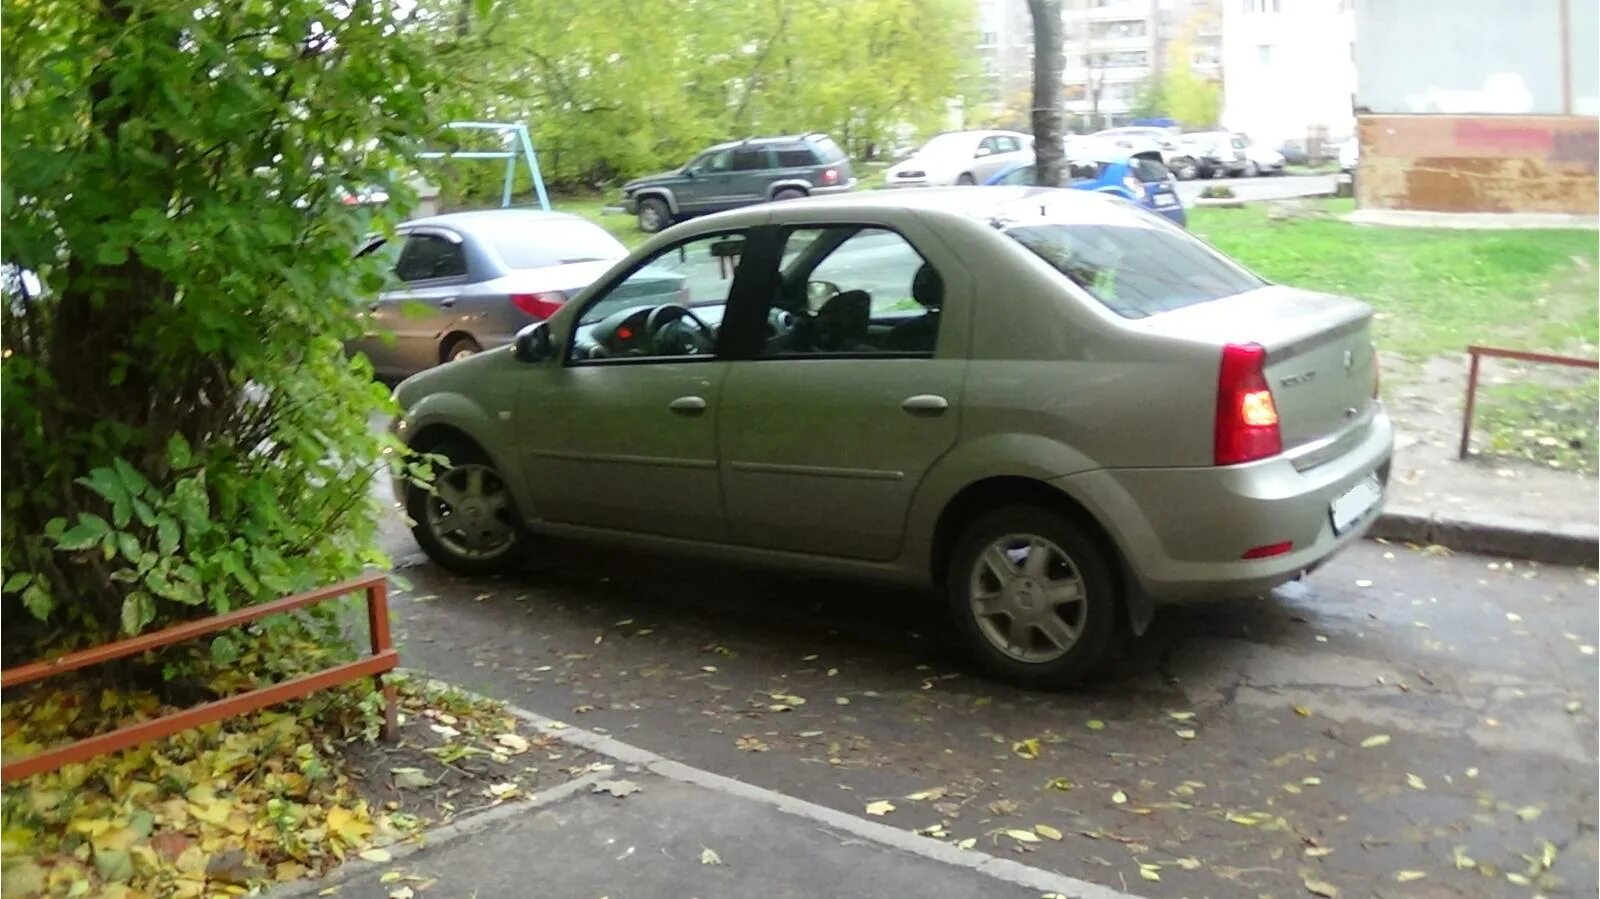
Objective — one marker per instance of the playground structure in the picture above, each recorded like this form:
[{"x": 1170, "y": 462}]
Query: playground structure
[{"x": 514, "y": 135}]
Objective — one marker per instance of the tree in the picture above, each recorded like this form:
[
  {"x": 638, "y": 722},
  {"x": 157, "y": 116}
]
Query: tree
[
  {"x": 182, "y": 432},
  {"x": 1177, "y": 92},
  {"x": 1048, "y": 147}
]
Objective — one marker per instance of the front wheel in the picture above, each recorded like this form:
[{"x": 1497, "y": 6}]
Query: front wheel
[
  {"x": 966, "y": 179},
  {"x": 467, "y": 523},
  {"x": 1186, "y": 169},
  {"x": 1251, "y": 170},
  {"x": 1032, "y": 596},
  {"x": 653, "y": 215}
]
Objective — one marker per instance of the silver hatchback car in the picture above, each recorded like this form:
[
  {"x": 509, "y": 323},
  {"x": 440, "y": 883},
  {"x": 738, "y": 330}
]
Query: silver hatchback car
[{"x": 1053, "y": 407}]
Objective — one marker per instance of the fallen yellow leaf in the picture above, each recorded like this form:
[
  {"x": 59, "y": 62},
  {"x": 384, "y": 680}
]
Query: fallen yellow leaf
[
  {"x": 1321, "y": 888},
  {"x": 1375, "y": 741},
  {"x": 1023, "y": 836},
  {"x": 1119, "y": 797},
  {"x": 1045, "y": 830},
  {"x": 378, "y": 856},
  {"x": 1408, "y": 876},
  {"x": 880, "y": 807}
]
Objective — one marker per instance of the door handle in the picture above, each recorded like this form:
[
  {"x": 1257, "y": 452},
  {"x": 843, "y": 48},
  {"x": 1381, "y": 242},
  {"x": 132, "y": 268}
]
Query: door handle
[
  {"x": 447, "y": 302},
  {"x": 688, "y": 405},
  {"x": 925, "y": 404}
]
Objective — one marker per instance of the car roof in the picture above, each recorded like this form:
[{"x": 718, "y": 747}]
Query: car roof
[
  {"x": 972, "y": 203},
  {"x": 765, "y": 141},
  {"x": 481, "y": 220}
]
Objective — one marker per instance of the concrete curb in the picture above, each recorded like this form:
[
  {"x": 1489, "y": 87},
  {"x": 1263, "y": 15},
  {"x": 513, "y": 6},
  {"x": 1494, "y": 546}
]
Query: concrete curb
[{"x": 1555, "y": 543}]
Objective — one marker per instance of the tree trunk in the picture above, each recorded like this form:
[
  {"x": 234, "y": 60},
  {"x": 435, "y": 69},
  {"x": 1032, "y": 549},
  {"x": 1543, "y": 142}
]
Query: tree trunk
[{"x": 1047, "y": 136}]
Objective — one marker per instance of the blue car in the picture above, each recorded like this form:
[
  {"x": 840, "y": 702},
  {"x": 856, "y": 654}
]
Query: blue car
[{"x": 1140, "y": 178}]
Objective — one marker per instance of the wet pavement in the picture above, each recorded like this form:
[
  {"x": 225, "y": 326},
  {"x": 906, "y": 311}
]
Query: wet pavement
[{"x": 1402, "y": 723}]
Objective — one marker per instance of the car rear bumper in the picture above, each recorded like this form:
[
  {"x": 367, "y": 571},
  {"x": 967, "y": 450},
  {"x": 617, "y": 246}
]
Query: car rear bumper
[{"x": 1184, "y": 531}]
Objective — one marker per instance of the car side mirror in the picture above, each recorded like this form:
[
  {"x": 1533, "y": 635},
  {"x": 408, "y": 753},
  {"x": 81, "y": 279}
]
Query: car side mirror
[
  {"x": 689, "y": 173},
  {"x": 533, "y": 343}
]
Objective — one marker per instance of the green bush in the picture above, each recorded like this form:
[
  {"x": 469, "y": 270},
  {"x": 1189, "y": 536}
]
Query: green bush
[{"x": 182, "y": 433}]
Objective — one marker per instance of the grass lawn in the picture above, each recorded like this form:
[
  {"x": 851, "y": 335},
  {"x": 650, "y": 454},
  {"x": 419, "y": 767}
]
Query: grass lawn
[{"x": 1435, "y": 291}]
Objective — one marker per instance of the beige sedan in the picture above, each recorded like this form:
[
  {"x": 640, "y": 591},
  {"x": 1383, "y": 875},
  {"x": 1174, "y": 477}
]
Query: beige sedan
[{"x": 1051, "y": 408}]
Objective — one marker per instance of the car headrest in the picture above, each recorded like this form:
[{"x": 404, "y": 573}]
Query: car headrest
[{"x": 927, "y": 287}]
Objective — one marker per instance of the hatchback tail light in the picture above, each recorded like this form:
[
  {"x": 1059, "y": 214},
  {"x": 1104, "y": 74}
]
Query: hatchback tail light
[
  {"x": 1247, "y": 419},
  {"x": 539, "y": 305},
  {"x": 830, "y": 176}
]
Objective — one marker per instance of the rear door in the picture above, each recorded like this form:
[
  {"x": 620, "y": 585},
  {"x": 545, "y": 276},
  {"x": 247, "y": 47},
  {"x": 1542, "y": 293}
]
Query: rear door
[
  {"x": 828, "y": 430},
  {"x": 431, "y": 273},
  {"x": 752, "y": 172}
]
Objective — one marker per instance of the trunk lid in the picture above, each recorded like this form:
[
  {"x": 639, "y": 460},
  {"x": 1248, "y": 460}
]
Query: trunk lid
[
  {"x": 568, "y": 278},
  {"x": 1320, "y": 364}
]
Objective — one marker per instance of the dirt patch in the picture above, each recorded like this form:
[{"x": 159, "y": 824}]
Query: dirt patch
[{"x": 457, "y": 754}]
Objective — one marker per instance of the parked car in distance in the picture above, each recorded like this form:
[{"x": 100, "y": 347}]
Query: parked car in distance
[
  {"x": 960, "y": 157},
  {"x": 1140, "y": 178},
  {"x": 1133, "y": 140},
  {"x": 1217, "y": 154},
  {"x": 740, "y": 173},
  {"x": 1047, "y": 407},
  {"x": 468, "y": 281}
]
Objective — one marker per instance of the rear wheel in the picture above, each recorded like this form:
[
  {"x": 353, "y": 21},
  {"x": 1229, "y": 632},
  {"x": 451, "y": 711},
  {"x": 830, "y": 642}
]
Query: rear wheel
[
  {"x": 1186, "y": 169},
  {"x": 467, "y": 523},
  {"x": 789, "y": 193},
  {"x": 653, "y": 215},
  {"x": 1032, "y": 596},
  {"x": 460, "y": 348},
  {"x": 966, "y": 179}
]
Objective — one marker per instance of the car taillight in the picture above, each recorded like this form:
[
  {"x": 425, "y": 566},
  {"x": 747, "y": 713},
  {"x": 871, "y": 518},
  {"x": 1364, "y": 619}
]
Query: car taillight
[
  {"x": 539, "y": 305},
  {"x": 1247, "y": 418},
  {"x": 830, "y": 176}
]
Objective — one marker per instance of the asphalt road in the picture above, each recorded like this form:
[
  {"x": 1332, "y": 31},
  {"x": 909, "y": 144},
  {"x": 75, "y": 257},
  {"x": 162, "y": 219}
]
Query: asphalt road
[
  {"x": 1400, "y": 724},
  {"x": 1269, "y": 187}
]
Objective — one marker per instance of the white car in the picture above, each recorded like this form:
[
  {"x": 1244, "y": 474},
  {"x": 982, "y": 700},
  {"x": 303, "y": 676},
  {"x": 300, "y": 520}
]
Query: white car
[
  {"x": 961, "y": 157},
  {"x": 1261, "y": 159}
]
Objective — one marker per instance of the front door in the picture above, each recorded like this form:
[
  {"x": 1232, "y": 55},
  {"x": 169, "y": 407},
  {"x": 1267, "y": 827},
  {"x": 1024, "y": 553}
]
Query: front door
[
  {"x": 709, "y": 180},
  {"x": 431, "y": 271},
  {"x": 622, "y": 432},
  {"x": 828, "y": 429}
]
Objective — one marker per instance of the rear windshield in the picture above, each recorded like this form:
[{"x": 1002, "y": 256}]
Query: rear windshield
[
  {"x": 827, "y": 149},
  {"x": 1135, "y": 271},
  {"x": 540, "y": 244},
  {"x": 1148, "y": 170}
]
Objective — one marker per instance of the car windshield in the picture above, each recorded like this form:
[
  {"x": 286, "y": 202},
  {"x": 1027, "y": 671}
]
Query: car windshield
[
  {"x": 558, "y": 242},
  {"x": 1147, "y": 170},
  {"x": 1134, "y": 270}
]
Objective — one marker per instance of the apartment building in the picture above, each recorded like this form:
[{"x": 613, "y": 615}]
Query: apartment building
[{"x": 1291, "y": 70}]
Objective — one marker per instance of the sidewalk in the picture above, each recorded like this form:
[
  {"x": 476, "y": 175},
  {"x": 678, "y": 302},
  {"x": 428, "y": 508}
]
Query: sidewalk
[{"x": 683, "y": 832}]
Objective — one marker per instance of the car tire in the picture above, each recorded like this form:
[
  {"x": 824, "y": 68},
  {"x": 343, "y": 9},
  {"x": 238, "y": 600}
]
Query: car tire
[
  {"x": 497, "y": 542},
  {"x": 459, "y": 348},
  {"x": 1069, "y": 562},
  {"x": 1251, "y": 170},
  {"x": 1188, "y": 170},
  {"x": 788, "y": 193},
  {"x": 966, "y": 180},
  {"x": 653, "y": 215}
]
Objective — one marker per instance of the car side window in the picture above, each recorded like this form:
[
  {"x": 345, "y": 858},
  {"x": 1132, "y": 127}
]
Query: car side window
[
  {"x": 713, "y": 163},
  {"x": 750, "y": 160},
  {"x": 796, "y": 157},
  {"x": 986, "y": 147},
  {"x": 429, "y": 256},
  {"x": 1007, "y": 144},
  {"x": 1023, "y": 175},
  {"x": 849, "y": 290},
  {"x": 670, "y": 307}
]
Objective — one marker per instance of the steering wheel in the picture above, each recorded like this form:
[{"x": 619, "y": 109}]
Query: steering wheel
[{"x": 669, "y": 337}]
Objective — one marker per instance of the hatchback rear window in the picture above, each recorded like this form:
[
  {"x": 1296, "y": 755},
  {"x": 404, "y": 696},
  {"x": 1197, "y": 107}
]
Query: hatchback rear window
[
  {"x": 1135, "y": 271},
  {"x": 1148, "y": 170},
  {"x": 796, "y": 157},
  {"x": 827, "y": 149},
  {"x": 558, "y": 242}
]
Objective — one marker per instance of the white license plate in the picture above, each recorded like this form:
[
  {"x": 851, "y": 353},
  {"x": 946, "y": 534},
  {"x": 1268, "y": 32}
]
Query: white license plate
[
  {"x": 1355, "y": 504},
  {"x": 1166, "y": 200}
]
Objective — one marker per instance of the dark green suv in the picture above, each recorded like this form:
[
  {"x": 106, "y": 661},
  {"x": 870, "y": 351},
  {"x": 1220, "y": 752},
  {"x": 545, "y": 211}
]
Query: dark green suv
[{"x": 741, "y": 173}]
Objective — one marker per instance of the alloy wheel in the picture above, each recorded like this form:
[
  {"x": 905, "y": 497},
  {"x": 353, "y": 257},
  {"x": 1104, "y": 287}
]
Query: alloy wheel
[
  {"x": 1028, "y": 598},
  {"x": 469, "y": 512}
]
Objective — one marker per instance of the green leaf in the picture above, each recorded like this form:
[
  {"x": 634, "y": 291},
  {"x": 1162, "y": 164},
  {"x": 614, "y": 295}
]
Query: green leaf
[
  {"x": 128, "y": 545},
  {"x": 87, "y": 532},
  {"x": 179, "y": 455},
  {"x": 37, "y": 601},
  {"x": 166, "y": 535},
  {"x": 223, "y": 650},
  {"x": 131, "y": 479},
  {"x": 137, "y": 611},
  {"x": 105, "y": 483},
  {"x": 17, "y": 582}
]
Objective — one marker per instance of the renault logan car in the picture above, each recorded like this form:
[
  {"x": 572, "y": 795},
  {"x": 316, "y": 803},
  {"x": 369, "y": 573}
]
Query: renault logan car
[{"x": 1054, "y": 408}]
